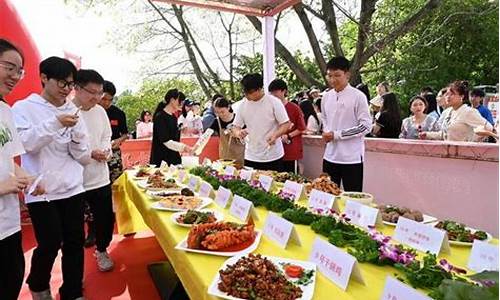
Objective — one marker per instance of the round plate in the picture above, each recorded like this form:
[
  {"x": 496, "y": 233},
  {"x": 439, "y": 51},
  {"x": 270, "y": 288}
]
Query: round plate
[
  {"x": 205, "y": 201},
  {"x": 144, "y": 185},
  {"x": 465, "y": 244},
  {"x": 218, "y": 216}
]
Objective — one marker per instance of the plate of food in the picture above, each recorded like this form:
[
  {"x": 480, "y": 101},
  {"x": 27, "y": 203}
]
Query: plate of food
[
  {"x": 391, "y": 213},
  {"x": 323, "y": 183},
  {"x": 461, "y": 235},
  {"x": 140, "y": 173},
  {"x": 221, "y": 238},
  {"x": 158, "y": 195},
  {"x": 158, "y": 184},
  {"x": 196, "y": 217},
  {"x": 360, "y": 197},
  {"x": 255, "y": 276},
  {"x": 181, "y": 203}
]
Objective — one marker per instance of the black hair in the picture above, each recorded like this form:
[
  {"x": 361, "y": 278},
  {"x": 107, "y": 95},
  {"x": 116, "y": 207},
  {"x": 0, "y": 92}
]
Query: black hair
[
  {"x": 462, "y": 88},
  {"x": 338, "y": 63},
  {"x": 431, "y": 102},
  {"x": 477, "y": 93},
  {"x": 364, "y": 89},
  {"x": 216, "y": 96},
  {"x": 182, "y": 96},
  {"x": 84, "y": 77},
  {"x": 418, "y": 97},
  {"x": 317, "y": 102},
  {"x": 252, "y": 82},
  {"x": 308, "y": 110},
  {"x": 57, "y": 68},
  {"x": 427, "y": 90},
  {"x": 143, "y": 114},
  {"x": 223, "y": 102},
  {"x": 185, "y": 103},
  {"x": 169, "y": 96},
  {"x": 109, "y": 87},
  {"x": 277, "y": 85},
  {"x": 390, "y": 105},
  {"x": 5, "y": 46}
]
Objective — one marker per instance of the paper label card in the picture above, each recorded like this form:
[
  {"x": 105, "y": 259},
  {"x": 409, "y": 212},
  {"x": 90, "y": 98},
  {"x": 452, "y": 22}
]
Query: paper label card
[
  {"x": 182, "y": 175},
  {"x": 483, "y": 257},
  {"x": 280, "y": 230},
  {"x": 163, "y": 165},
  {"x": 421, "y": 236},
  {"x": 362, "y": 215},
  {"x": 193, "y": 182},
  {"x": 396, "y": 290},
  {"x": 205, "y": 189},
  {"x": 266, "y": 182},
  {"x": 222, "y": 197},
  {"x": 172, "y": 169},
  {"x": 322, "y": 200},
  {"x": 246, "y": 174},
  {"x": 294, "y": 188},
  {"x": 230, "y": 170},
  {"x": 337, "y": 265},
  {"x": 242, "y": 209}
]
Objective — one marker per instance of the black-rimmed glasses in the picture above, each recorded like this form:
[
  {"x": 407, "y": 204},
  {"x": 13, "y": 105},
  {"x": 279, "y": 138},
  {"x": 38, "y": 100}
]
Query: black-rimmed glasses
[{"x": 63, "y": 83}]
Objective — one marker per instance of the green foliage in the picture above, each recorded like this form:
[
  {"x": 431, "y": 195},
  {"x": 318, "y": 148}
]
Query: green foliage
[
  {"x": 299, "y": 215},
  {"x": 249, "y": 64},
  {"x": 464, "y": 290},
  {"x": 424, "y": 275},
  {"x": 151, "y": 93}
]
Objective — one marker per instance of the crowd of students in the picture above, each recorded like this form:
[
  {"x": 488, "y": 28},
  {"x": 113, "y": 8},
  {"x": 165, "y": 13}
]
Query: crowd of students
[{"x": 74, "y": 146}]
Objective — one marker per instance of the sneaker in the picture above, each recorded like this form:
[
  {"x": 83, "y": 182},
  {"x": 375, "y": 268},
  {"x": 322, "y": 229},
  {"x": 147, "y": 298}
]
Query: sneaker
[
  {"x": 104, "y": 262},
  {"x": 89, "y": 241},
  {"x": 43, "y": 295}
]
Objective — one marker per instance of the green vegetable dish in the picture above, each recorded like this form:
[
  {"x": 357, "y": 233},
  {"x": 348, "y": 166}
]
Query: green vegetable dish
[{"x": 460, "y": 233}]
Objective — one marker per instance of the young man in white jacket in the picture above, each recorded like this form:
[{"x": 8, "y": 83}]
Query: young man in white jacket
[
  {"x": 57, "y": 147},
  {"x": 346, "y": 120},
  {"x": 88, "y": 93}
]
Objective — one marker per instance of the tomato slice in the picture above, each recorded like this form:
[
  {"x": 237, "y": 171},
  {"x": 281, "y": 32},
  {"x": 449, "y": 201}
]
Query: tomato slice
[{"x": 294, "y": 271}]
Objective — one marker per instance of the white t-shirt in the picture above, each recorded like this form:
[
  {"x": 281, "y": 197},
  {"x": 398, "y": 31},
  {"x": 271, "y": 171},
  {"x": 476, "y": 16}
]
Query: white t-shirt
[
  {"x": 10, "y": 146},
  {"x": 312, "y": 124},
  {"x": 144, "y": 130},
  {"x": 261, "y": 118},
  {"x": 96, "y": 174}
]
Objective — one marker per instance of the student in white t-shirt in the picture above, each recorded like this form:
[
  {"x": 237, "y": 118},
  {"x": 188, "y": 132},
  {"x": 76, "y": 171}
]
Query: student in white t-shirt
[
  {"x": 266, "y": 121},
  {"x": 96, "y": 182},
  {"x": 13, "y": 179}
]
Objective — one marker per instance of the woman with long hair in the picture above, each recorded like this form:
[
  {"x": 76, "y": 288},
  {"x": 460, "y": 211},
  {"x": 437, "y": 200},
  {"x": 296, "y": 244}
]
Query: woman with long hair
[
  {"x": 461, "y": 121},
  {"x": 388, "y": 122},
  {"x": 165, "y": 129},
  {"x": 144, "y": 127},
  {"x": 418, "y": 121},
  {"x": 313, "y": 123}
]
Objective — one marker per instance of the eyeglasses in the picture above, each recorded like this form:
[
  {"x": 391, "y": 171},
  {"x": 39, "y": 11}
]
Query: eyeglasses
[
  {"x": 97, "y": 94},
  {"x": 13, "y": 69},
  {"x": 63, "y": 83}
]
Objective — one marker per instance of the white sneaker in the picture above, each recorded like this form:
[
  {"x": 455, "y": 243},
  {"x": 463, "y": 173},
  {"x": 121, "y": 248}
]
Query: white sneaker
[
  {"x": 104, "y": 262},
  {"x": 43, "y": 295}
]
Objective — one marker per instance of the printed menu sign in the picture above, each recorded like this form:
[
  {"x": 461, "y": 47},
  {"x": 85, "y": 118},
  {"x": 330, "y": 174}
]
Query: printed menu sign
[
  {"x": 280, "y": 230},
  {"x": 421, "y": 236},
  {"x": 396, "y": 290},
  {"x": 242, "y": 209},
  {"x": 483, "y": 257}
]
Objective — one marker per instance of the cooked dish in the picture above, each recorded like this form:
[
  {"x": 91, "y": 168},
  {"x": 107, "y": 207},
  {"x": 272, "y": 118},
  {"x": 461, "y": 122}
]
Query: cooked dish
[
  {"x": 220, "y": 235},
  {"x": 181, "y": 202},
  {"x": 391, "y": 213}
]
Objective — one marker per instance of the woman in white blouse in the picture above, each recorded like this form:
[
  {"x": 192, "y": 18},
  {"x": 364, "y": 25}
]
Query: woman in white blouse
[
  {"x": 463, "y": 121},
  {"x": 311, "y": 118},
  {"x": 418, "y": 121},
  {"x": 145, "y": 126}
]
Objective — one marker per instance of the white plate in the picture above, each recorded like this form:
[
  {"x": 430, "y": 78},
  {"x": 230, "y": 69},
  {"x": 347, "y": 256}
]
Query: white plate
[
  {"x": 465, "y": 244},
  {"x": 307, "y": 291},
  {"x": 427, "y": 219},
  {"x": 143, "y": 184},
  {"x": 205, "y": 201},
  {"x": 183, "y": 246},
  {"x": 170, "y": 192},
  {"x": 218, "y": 216}
]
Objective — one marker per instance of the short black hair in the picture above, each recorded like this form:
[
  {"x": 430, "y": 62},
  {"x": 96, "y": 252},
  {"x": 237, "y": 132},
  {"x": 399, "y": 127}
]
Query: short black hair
[
  {"x": 477, "y": 93},
  {"x": 427, "y": 90},
  {"x": 57, "y": 68},
  {"x": 6, "y": 45},
  {"x": 278, "y": 85},
  {"x": 216, "y": 96},
  {"x": 222, "y": 102},
  {"x": 338, "y": 63},
  {"x": 109, "y": 87},
  {"x": 252, "y": 82},
  {"x": 84, "y": 77},
  {"x": 182, "y": 96}
]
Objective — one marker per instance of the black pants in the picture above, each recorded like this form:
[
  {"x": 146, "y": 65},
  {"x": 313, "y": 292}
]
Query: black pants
[
  {"x": 101, "y": 207},
  {"x": 350, "y": 175},
  {"x": 58, "y": 224},
  {"x": 289, "y": 166},
  {"x": 275, "y": 165},
  {"x": 11, "y": 266}
]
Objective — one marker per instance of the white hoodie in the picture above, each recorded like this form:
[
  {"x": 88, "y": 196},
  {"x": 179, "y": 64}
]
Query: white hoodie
[{"x": 52, "y": 150}]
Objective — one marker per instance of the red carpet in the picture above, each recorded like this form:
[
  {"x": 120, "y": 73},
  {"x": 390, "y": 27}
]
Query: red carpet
[{"x": 129, "y": 279}]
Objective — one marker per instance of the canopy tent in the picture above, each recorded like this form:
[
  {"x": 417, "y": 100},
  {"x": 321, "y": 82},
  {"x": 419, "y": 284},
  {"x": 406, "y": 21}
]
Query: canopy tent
[{"x": 261, "y": 8}]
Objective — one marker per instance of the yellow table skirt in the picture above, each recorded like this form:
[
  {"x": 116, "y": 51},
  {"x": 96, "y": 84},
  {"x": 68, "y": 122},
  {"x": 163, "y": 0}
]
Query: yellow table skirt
[{"x": 196, "y": 271}]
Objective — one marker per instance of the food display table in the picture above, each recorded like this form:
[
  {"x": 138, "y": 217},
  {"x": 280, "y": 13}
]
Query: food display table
[{"x": 196, "y": 271}]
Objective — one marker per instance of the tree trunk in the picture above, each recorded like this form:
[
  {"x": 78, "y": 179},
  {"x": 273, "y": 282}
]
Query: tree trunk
[{"x": 331, "y": 26}]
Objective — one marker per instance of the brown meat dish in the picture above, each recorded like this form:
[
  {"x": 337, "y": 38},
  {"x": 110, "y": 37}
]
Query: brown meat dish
[{"x": 255, "y": 277}]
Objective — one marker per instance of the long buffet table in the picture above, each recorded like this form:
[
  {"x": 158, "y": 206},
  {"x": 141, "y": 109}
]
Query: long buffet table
[{"x": 196, "y": 271}]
